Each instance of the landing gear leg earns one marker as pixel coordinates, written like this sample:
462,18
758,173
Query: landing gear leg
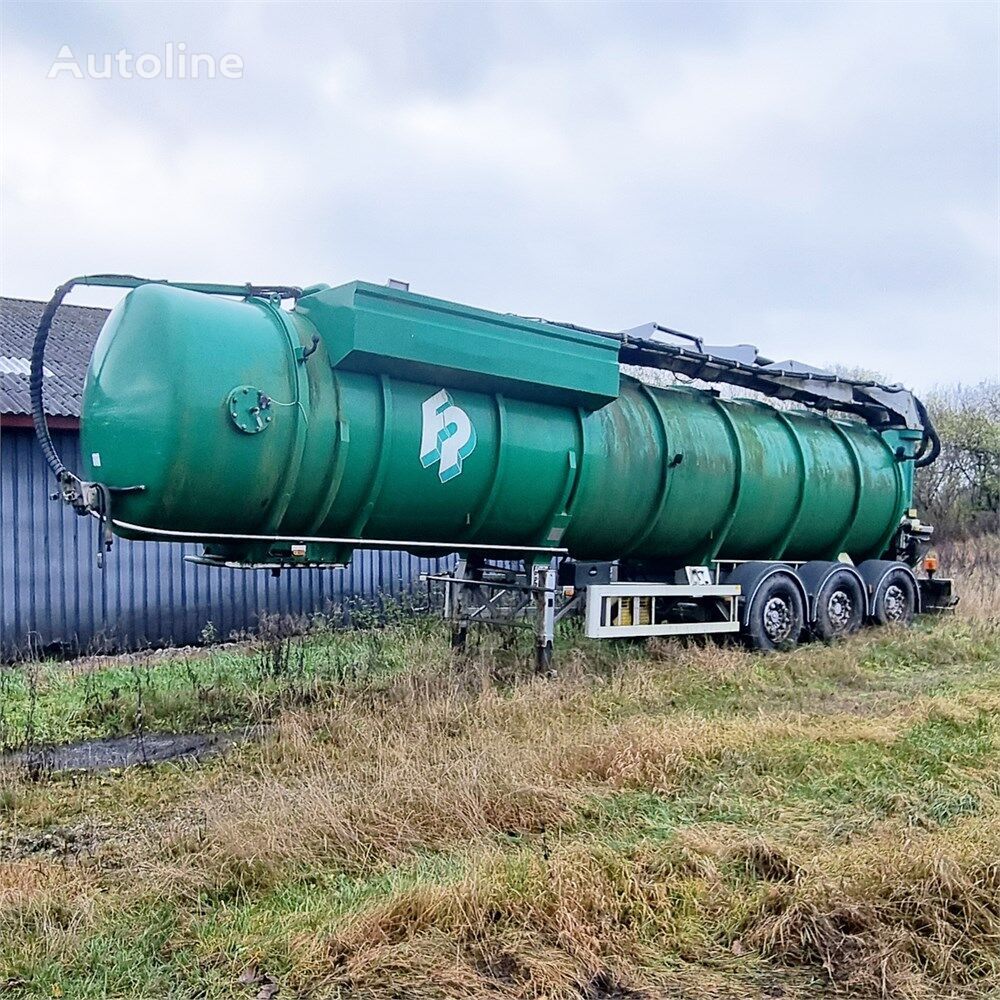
543,581
456,596
543,658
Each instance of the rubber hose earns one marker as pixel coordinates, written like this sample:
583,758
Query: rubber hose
922,460
35,384
42,335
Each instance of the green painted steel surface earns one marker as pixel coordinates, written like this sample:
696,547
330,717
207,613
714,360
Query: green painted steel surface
372,328
347,447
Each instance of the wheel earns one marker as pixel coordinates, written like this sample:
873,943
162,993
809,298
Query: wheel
776,614
895,600
840,606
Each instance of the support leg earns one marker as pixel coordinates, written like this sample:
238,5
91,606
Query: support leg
454,605
543,579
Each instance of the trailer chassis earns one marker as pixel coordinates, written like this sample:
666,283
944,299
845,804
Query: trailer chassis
770,605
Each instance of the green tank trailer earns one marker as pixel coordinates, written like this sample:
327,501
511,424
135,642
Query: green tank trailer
286,427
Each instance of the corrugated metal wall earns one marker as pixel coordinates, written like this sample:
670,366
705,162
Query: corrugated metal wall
51,588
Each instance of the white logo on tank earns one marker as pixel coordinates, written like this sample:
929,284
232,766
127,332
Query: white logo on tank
447,435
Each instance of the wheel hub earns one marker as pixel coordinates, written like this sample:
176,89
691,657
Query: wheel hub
778,619
840,609
895,603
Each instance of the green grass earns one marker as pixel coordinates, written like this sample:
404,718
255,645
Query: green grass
135,951
54,702
935,772
670,818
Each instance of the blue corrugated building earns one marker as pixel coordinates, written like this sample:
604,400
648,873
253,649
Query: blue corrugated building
53,595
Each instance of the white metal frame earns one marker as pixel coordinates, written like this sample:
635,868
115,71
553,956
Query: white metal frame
599,609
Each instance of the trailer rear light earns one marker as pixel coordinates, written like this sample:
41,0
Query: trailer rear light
930,563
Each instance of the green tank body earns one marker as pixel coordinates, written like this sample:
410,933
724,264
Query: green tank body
373,413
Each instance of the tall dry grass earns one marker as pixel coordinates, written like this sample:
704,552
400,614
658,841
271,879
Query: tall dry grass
905,914
671,819
363,788
538,902
434,760
974,564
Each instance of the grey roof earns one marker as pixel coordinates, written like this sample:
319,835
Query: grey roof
67,355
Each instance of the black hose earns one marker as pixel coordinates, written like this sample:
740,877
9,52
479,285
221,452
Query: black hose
37,375
59,470
923,457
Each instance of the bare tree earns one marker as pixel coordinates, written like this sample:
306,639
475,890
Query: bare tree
960,492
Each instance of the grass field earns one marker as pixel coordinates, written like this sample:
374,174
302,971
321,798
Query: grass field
660,820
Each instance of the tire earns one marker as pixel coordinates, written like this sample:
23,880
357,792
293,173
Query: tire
776,615
895,600
840,606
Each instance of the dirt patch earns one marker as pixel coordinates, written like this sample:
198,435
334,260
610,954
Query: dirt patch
604,986
503,967
62,843
124,751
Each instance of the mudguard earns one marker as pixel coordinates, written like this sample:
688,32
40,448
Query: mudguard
874,571
815,574
750,576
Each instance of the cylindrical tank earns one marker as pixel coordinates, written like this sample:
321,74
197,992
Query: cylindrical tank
329,420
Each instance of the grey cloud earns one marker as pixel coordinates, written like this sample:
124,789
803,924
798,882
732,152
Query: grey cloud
819,178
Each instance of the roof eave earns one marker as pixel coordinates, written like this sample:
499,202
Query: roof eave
56,423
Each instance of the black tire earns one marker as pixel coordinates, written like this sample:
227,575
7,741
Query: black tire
895,599
840,606
776,614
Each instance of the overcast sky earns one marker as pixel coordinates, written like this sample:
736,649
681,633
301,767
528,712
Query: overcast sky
818,179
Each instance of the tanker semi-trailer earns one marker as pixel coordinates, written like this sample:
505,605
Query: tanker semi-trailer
369,416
